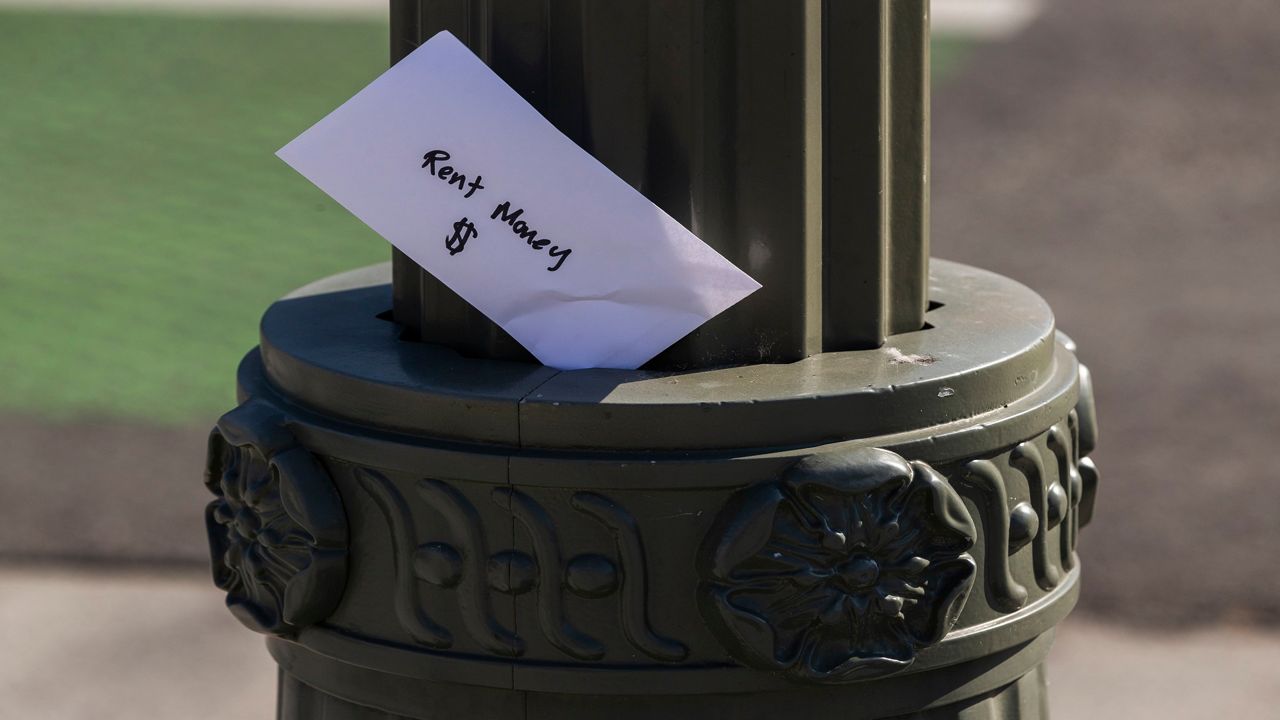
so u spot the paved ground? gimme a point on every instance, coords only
(81, 646)
(106, 491)
(1122, 158)
(120, 647)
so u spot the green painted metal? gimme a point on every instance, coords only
(531, 543)
(857, 494)
(790, 136)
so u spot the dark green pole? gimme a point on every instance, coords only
(790, 136)
(856, 494)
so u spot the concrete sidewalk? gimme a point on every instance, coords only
(113, 646)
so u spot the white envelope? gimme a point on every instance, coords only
(454, 168)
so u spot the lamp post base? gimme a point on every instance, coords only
(873, 533)
(944, 698)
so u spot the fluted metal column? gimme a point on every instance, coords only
(790, 136)
(819, 505)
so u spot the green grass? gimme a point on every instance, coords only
(144, 220)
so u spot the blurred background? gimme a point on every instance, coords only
(1120, 158)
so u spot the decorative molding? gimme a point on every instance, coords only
(435, 562)
(465, 565)
(1064, 449)
(1086, 413)
(546, 544)
(844, 567)
(634, 602)
(983, 482)
(1084, 421)
(463, 521)
(592, 576)
(512, 572)
(1023, 526)
(1088, 489)
(841, 570)
(277, 530)
(1061, 502)
(1027, 459)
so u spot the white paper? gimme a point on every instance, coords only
(619, 280)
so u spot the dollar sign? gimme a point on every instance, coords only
(463, 230)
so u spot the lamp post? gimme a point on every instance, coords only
(857, 492)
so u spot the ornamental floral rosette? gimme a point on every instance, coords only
(277, 530)
(841, 570)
